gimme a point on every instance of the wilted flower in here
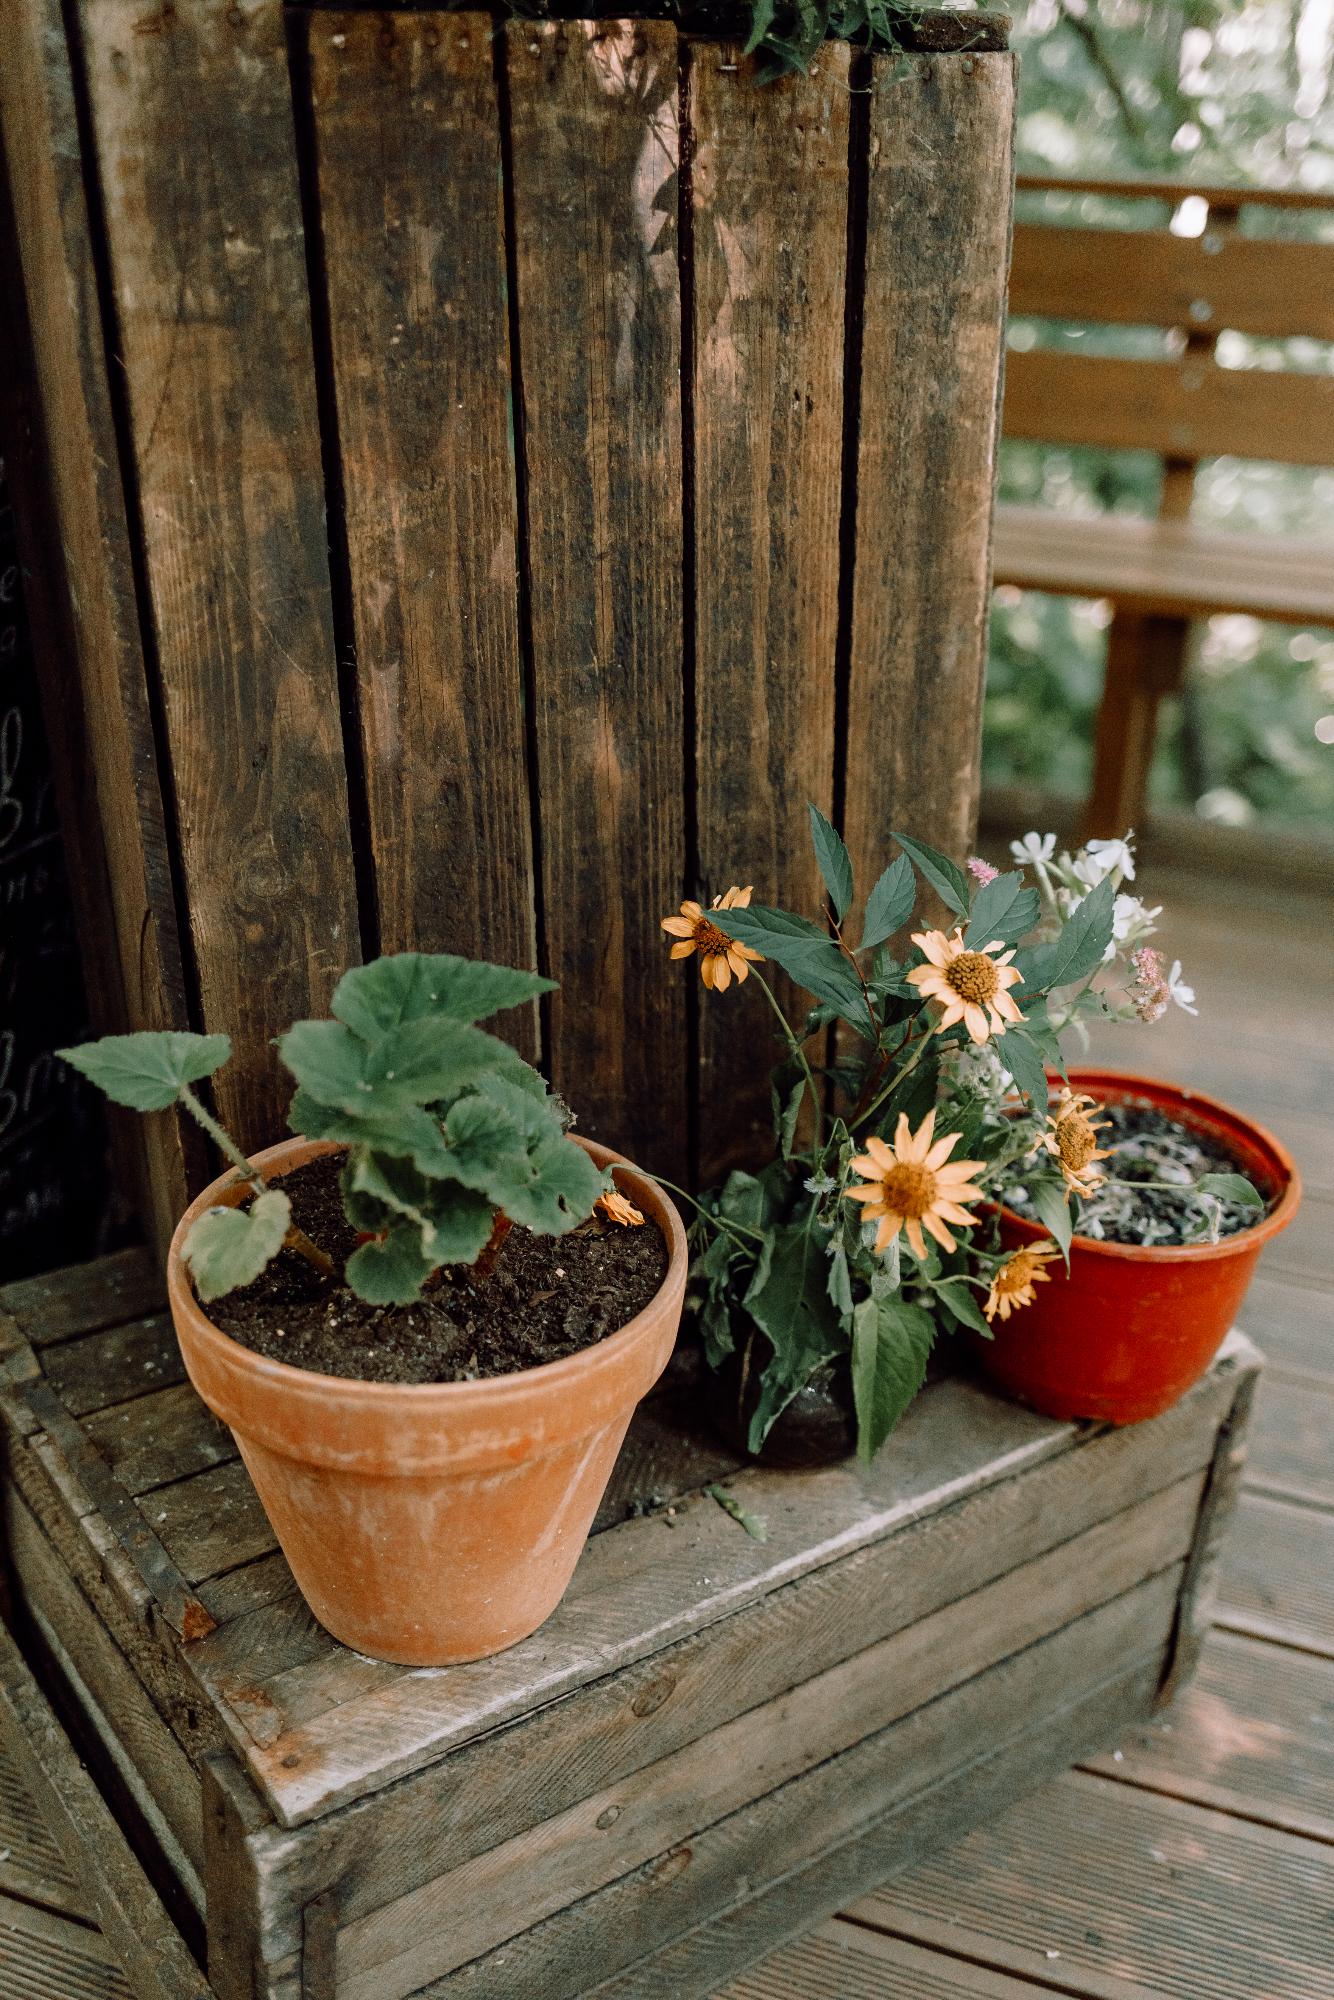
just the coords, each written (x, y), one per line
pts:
(972, 986)
(913, 1185)
(1072, 1139)
(616, 1208)
(1012, 1285)
(720, 956)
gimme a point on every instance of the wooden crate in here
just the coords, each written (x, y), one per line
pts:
(712, 1743)
(501, 475)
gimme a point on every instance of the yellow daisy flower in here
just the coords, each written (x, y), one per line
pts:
(719, 955)
(1072, 1138)
(616, 1208)
(909, 1186)
(1012, 1285)
(971, 986)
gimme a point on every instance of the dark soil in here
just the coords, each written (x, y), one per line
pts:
(547, 1296)
(1147, 1145)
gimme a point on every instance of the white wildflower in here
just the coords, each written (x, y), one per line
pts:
(1105, 857)
(1034, 848)
(1179, 991)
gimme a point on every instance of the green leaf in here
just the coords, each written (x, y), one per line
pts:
(229, 1247)
(1051, 1201)
(787, 1087)
(1026, 1064)
(328, 1061)
(147, 1071)
(1078, 950)
(890, 903)
(1003, 912)
(392, 1272)
(563, 1186)
(487, 1147)
(410, 1135)
(808, 954)
(944, 875)
(755, 1526)
(789, 1302)
(891, 1343)
(835, 862)
(1232, 1187)
(839, 1282)
(432, 1058)
(409, 985)
(452, 1222)
(960, 1299)
(761, 20)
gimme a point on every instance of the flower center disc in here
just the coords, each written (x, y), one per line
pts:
(910, 1189)
(711, 942)
(1076, 1139)
(973, 976)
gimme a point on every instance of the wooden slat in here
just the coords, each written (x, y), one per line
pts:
(937, 227)
(158, 1438)
(1188, 409)
(43, 1956)
(1137, 1894)
(116, 1365)
(594, 144)
(198, 171)
(33, 1866)
(1167, 568)
(1278, 1574)
(57, 1305)
(769, 180)
(1294, 1324)
(1149, 277)
(473, 1909)
(842, 1961)
(410, 209)
(1290, 1453)
(1251, 1734)
(90, 559)
(1145, 187)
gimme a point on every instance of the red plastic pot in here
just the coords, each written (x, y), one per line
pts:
(1130, 1328)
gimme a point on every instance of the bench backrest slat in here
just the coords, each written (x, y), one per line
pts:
(1201, 284)
(1187, 409)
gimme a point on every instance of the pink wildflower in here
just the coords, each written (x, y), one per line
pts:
(980, 870)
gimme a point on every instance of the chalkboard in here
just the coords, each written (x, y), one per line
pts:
(53, 1165)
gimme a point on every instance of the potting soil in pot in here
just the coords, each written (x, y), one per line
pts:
(1147, 1145)
(546, 1297)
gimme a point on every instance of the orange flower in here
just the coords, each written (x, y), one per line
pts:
(1012, 1285)
(909, 1186)
(616, 1208)
(1072, 1138)
(719, 955)
(972, 986)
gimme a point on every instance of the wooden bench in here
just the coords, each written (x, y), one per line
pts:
(1163, 574)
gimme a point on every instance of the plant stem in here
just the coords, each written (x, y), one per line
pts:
(736, 1230)
(296, 1238)
(894, 1081)
(796, 1050)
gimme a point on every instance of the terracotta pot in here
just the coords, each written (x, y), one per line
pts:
(1128, 1331)
(430, 1524)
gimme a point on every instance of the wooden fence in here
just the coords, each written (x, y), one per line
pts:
(503, 472)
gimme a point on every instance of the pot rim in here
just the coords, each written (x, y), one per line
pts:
(1122, 1084)
(484, 1392)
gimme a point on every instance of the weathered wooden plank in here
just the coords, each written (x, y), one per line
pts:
(840, 1961)
(82, 1298)
(211, 1522)
(1218, 1503)
(768, 242)
(158, 1438)
(1157, 1892)
(384, 1846)
(1250, 1735)
(938, 218)
(593, 138)
(33, 1866)
(471, 1910)
(198, 169)
(116, 1365)
(1290, 1454)
(128, 1910)
(1294, 1324)
(43, 1956)
(1278, 1574)
(914, 1766)
(89, 559)
(640, 1588)
(1182, 409)
(1149, 277)
(408, 136)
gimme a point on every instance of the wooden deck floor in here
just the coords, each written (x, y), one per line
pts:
(1197, 1859)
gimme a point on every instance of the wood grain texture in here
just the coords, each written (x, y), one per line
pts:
(938, 219)
(841, 1961)
(594, 143)
(408, 137)
(1127, 1887)
(768, 220)
(1187, 409)
(192, 108)
(90, 556)
(1277, 1578)
(80, 1298)
(44, 1956)
(1149, 277)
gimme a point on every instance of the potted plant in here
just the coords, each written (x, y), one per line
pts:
(428, 1319)
(913, 1098)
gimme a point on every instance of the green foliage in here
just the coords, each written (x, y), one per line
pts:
(228, 1247)
(444, 1124)
(148, 1071)
(891, 1345)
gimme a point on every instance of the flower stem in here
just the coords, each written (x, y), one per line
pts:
(736, 1230)
(894, 1082)
(797, 1051)
(296, 1238)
